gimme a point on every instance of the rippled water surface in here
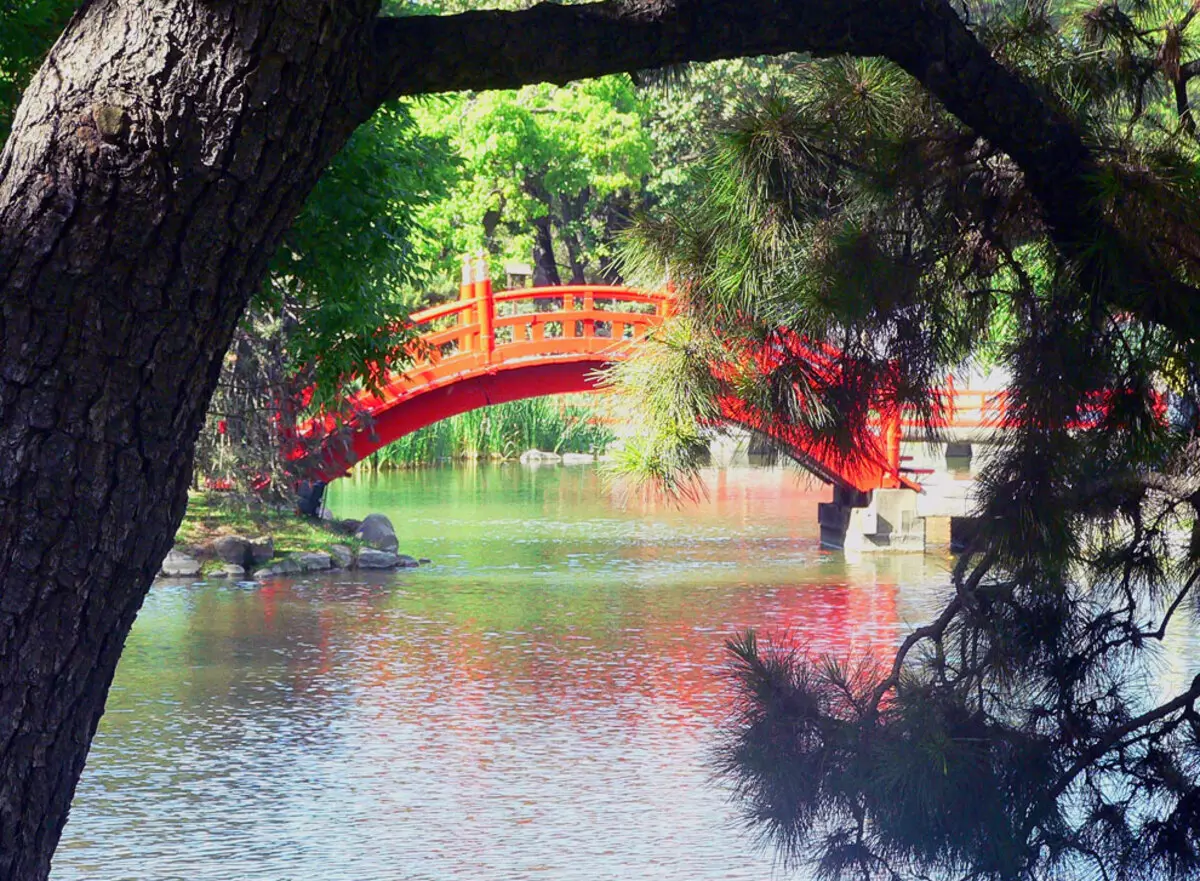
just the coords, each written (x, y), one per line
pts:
(538, 704)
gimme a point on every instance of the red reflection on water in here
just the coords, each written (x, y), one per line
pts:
(646, 658)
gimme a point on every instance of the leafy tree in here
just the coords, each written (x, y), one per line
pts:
(348, 265)
(1022, 733)
(539, 166)
(334, 306)
(685, 107)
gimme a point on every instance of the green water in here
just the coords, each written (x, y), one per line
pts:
(538, 704)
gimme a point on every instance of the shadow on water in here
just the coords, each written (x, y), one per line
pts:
(537, 704)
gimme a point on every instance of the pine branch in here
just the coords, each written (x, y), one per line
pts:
(1116, 735)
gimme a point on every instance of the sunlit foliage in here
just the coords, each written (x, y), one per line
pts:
(504, 431)
(28, 29)
(332, 315)
(545, 171)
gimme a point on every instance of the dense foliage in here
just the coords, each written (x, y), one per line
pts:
(1023, 733)
(541, 167)
(335, 305)
(30, 26)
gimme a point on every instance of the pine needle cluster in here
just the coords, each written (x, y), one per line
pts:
(1024, 732)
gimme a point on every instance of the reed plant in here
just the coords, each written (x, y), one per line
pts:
(571, 424)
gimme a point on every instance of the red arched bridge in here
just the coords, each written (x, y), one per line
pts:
(491, 347)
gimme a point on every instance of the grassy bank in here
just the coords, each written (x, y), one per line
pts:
(560, 425)
(213, 515)
(570, 424)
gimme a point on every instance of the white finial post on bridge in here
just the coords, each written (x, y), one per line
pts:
(484, 305)
(466, 293)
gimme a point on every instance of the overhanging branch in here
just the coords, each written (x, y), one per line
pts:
(554, 43)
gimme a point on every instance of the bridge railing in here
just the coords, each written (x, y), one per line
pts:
(966, 409)
(495, 326)
(995, 409)
(485, 327)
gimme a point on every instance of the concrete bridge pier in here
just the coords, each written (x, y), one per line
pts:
(958, 453)
(881, 520)
(940, 517)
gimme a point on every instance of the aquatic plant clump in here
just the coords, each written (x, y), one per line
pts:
(575, 424)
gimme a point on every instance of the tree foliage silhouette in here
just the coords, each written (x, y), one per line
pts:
(1023, 733)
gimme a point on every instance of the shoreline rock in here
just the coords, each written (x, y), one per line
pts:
(342, 555)
(540, 457)
(261, 552)
(314, 561)
(243, 558)
(372, 558)
(377, 531)
(179, 565)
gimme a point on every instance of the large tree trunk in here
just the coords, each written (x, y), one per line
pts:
(545, 267)
(155, 162)
(617, 212)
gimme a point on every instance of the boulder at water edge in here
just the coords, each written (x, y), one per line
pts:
(370, 558)
(261, 551)
(537, 457)
(178, 565)
(286, 566)
(377, 532)
(342, 556)
(232, 549)
(316, 562)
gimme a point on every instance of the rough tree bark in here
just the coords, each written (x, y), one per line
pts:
(572, 211)
(155, 162)
(545, 266)
(153, 166)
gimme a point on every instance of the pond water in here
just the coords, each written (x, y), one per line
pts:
(540, 703)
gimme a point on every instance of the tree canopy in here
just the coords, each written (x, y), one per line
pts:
(538, 165)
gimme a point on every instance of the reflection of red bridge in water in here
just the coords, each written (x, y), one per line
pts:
(668, 654)
(494, 347)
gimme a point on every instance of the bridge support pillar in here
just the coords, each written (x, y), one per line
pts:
(953, 534)
(884, 520)
(958, 453)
